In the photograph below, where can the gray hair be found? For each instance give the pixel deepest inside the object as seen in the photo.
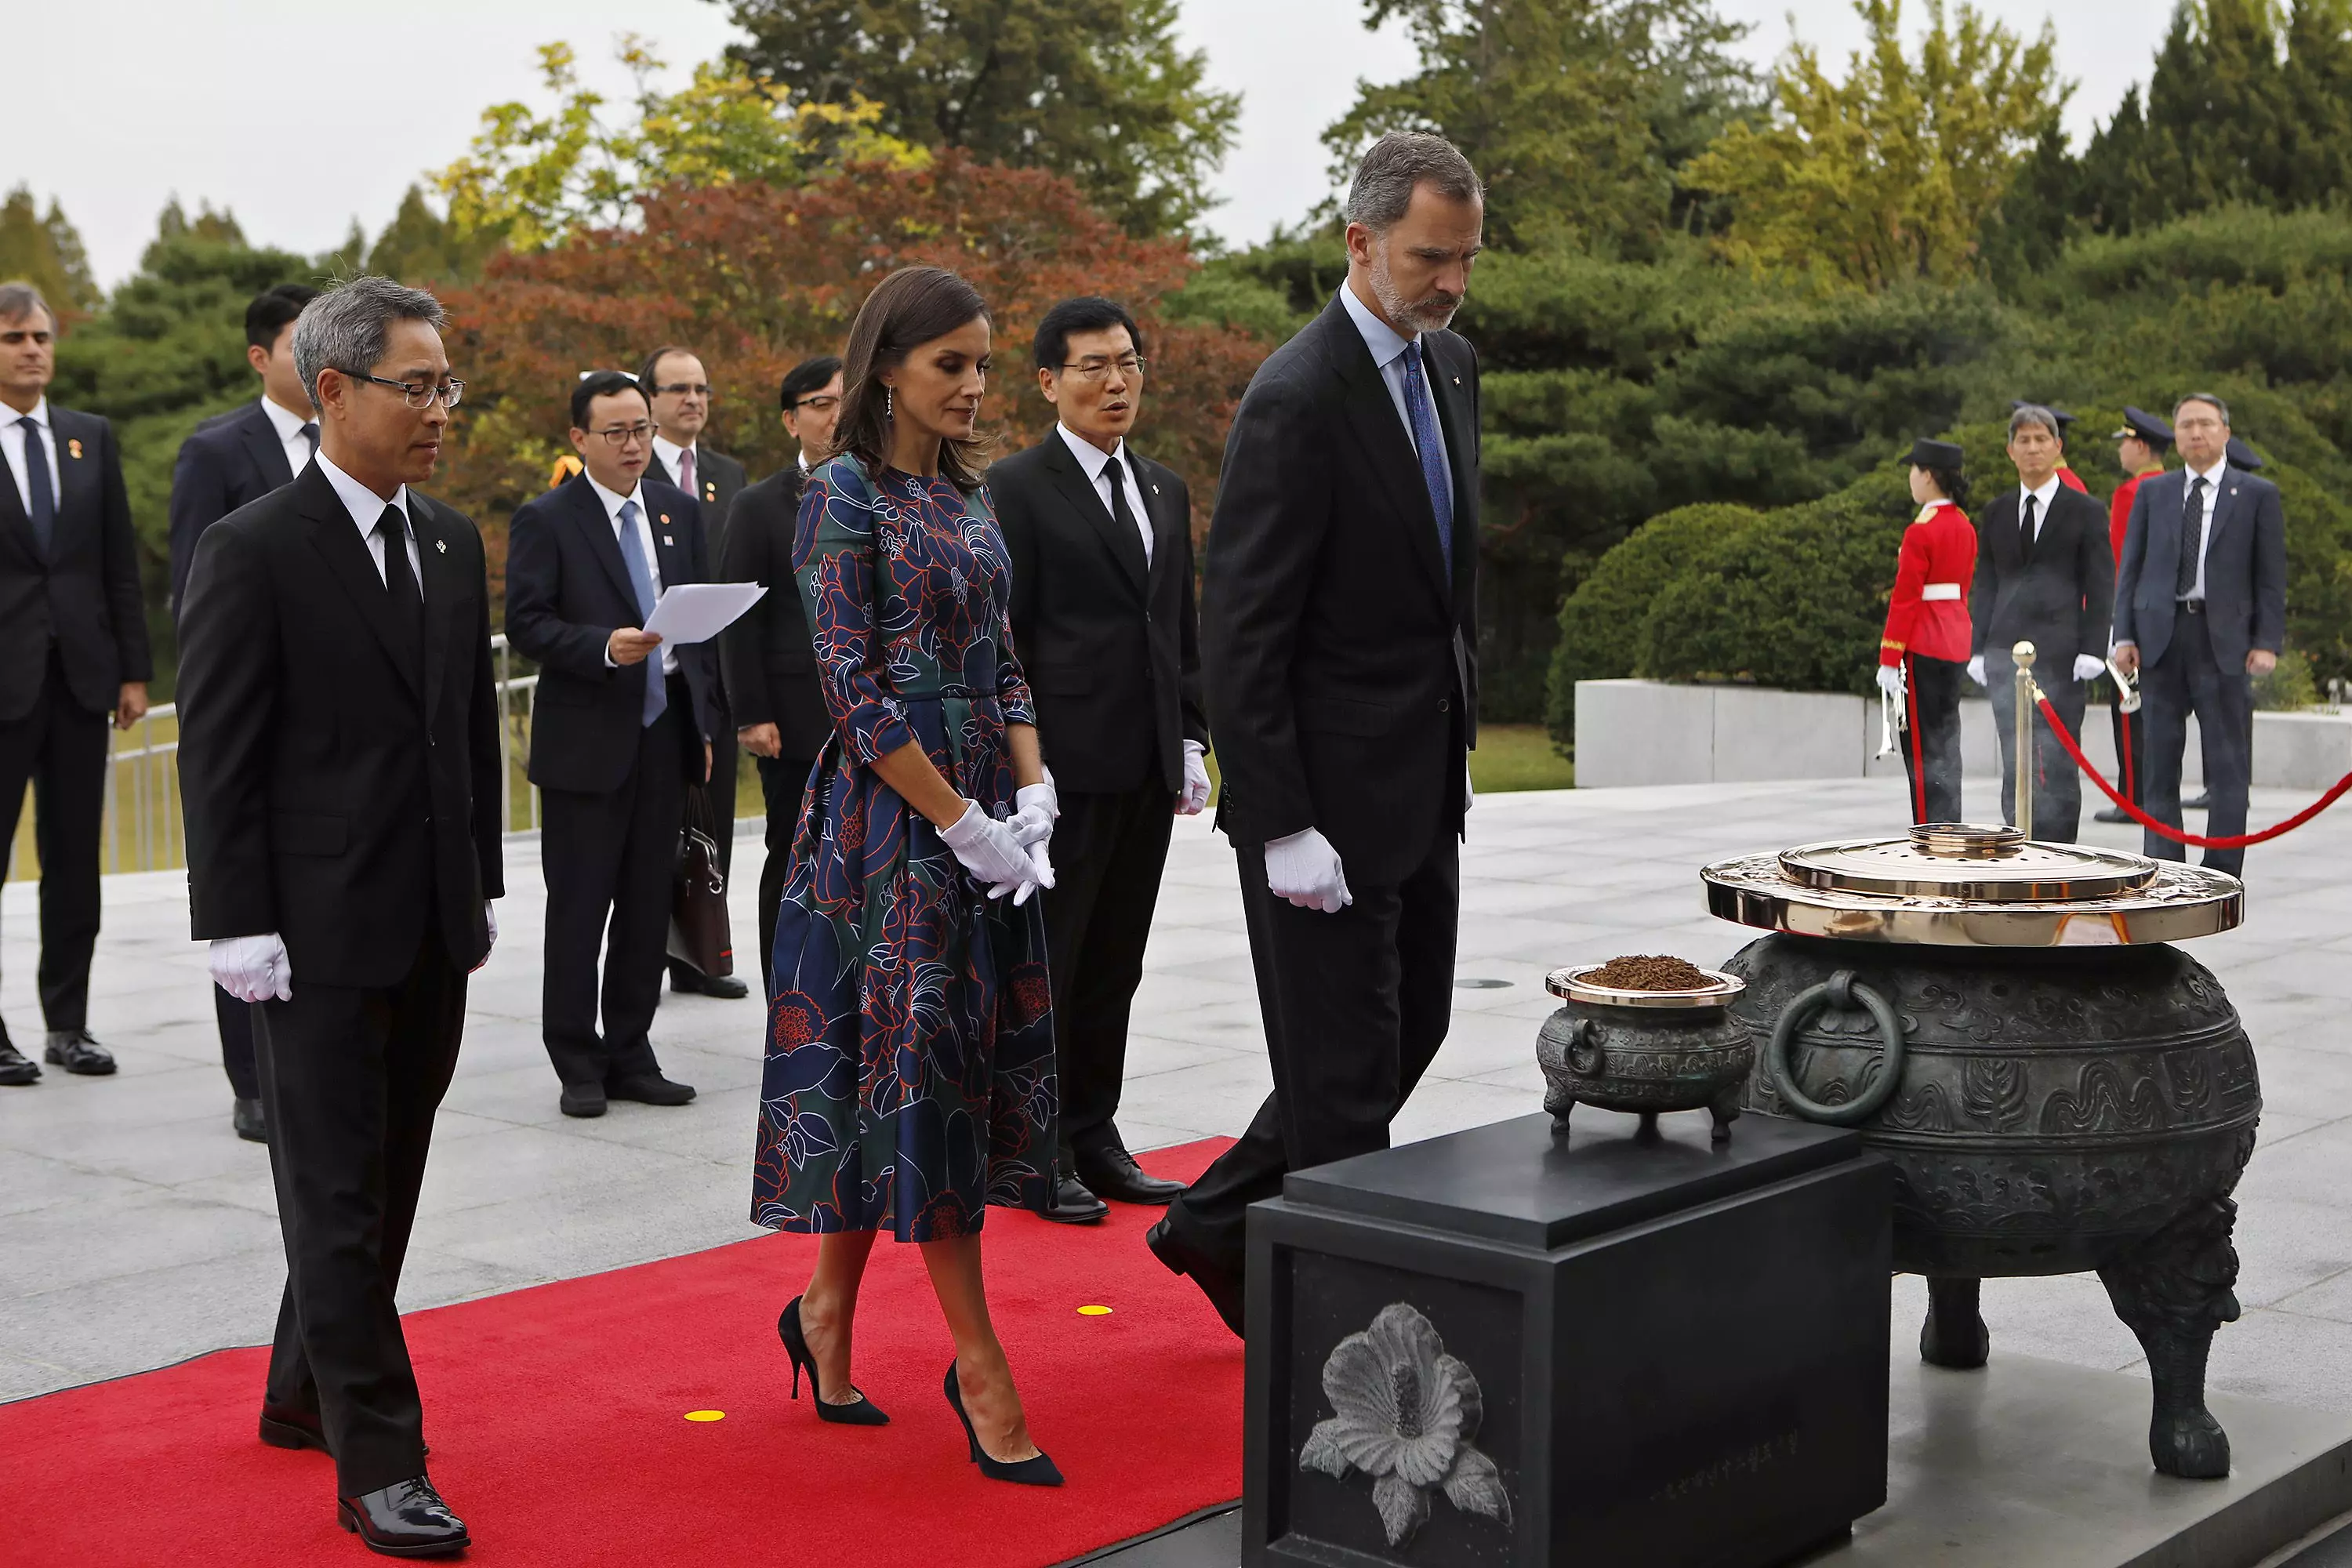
(1395, 165)
(2220, 407)
(349, 328)
(2034, 414)
(18, 301)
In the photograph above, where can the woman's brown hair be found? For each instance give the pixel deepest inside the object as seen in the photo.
(906, 309)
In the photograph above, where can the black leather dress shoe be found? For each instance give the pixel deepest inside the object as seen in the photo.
(406, 1519)
(2111, 813)
(2201, 801)
(583, 1100)
(1180, 1256)
(75, 1051)
(1113, 1174)
(15, 1067)
(251, 1124)
(694, 982)
(1073, 1205)
(652, 1088)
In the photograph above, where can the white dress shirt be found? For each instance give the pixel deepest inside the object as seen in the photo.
(2041, 500)
(1098, 466)
(12, 444)
(1388, 352)
(2212, 478)
(365, 506)
(289, 425)
(669, 452)
(653, 558)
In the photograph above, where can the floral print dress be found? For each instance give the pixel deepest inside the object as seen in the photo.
(909, 1076)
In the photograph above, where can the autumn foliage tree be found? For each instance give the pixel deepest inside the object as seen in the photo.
(756, 278)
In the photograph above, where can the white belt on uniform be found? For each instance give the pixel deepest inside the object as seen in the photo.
(1940, 591)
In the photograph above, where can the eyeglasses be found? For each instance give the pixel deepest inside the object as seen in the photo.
(1129, 365)
(818, 404)
(416, 395)
(626, 434)
(685, 389)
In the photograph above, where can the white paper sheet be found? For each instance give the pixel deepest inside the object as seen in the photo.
(697, 612)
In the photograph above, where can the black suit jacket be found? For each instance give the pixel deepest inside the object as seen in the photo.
(83, 595)
(720, 479)
(1110, 644)
(224, 464)
(2057, 597)
(2245, 568)
(334, 794)
(770, 661)
(567, 590)
(1339, 656)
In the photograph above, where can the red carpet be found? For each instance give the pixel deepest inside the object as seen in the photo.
(557, 1420)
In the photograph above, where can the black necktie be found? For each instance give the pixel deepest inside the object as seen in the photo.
(36, 483)
(400, 586)
(2025, 531)
(2192, 541)
(1120, 512)
(310, 431)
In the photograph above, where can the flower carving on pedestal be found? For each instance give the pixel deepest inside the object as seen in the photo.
(1406, 1412)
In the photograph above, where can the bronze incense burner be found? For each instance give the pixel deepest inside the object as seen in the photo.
(1644, 1051)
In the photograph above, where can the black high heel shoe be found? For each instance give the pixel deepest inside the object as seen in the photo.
(860, 1411)
(1037, 1471)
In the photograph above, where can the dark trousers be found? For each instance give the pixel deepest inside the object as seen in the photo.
(350, 1079)
(720, 796)
(2189, 680)
(783, 784)
(2131, 753)
(608, 860)
(2057, 784)
(60, 748)
(1931, 746)
(235, 1019)
(1108, 852)
(1355, 1005)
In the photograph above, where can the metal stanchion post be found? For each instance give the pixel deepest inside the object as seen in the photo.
(2023, 654)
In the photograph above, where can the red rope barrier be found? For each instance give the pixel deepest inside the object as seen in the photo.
(2164, 830)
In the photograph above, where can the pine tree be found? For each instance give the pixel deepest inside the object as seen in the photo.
(47, 252)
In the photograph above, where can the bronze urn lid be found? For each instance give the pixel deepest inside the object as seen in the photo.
(1953, 884)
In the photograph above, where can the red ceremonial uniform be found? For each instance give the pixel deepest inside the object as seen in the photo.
(1929, 614)
(2120, 512)
(2072, 480)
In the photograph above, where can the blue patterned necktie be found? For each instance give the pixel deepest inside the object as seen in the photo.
(37, 475)
(641, 580)
(1422, 412)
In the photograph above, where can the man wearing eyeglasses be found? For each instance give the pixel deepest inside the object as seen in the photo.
(620, 726)
(779, 707)
(1101, 545)
(73, 654)
(680, 390)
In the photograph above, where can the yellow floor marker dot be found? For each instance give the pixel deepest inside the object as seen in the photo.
(1094, 1312)
(706, 1415)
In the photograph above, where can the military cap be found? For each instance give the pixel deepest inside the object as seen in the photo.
(1926, 454)
(2140, 424)
(2060, 415)
(2243, 457)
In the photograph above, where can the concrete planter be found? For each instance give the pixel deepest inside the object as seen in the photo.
(1660, 732)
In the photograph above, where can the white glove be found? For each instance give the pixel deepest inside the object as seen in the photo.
(489, 918)
(1890, 681)
(2089, 667)
(1036, 809)
(1976, 669)
(990, 854)
(1196, 781)
(253, 968)
(1305, 869)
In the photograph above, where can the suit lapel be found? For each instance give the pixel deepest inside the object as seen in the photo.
(1168, 526)
(1070, 480)
(1371, 416)
(437, 577)
(13, 516)
(597, 526)
(78, 501)
(336, 540)
(1452, 401)
(262, 445)
(2225, 513)
(670, 550)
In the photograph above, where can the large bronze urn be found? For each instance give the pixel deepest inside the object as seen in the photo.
(2059, 1089)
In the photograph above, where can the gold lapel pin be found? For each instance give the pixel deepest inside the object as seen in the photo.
(710, 492)
(73, 448)
(664, 517)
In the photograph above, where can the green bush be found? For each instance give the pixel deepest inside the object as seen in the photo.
(1598, 621)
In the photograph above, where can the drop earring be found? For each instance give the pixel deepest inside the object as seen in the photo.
(889, 405)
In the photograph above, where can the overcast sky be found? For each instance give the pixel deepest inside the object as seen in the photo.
(299, 117)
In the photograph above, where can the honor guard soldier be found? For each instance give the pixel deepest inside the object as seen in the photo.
(1923, 655)
(2066, 475)
(2140, 447)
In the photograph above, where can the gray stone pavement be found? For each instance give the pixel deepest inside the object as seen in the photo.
(136, 1230)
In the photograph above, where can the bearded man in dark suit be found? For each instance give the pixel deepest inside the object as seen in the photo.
(1338, 634)
(228, 462)
(338, 757)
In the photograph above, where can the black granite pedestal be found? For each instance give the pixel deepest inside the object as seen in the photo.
(1502, 1348)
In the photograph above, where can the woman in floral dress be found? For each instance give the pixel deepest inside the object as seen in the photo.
(909, 1078)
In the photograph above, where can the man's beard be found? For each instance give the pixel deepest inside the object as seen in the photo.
(1431, 314)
